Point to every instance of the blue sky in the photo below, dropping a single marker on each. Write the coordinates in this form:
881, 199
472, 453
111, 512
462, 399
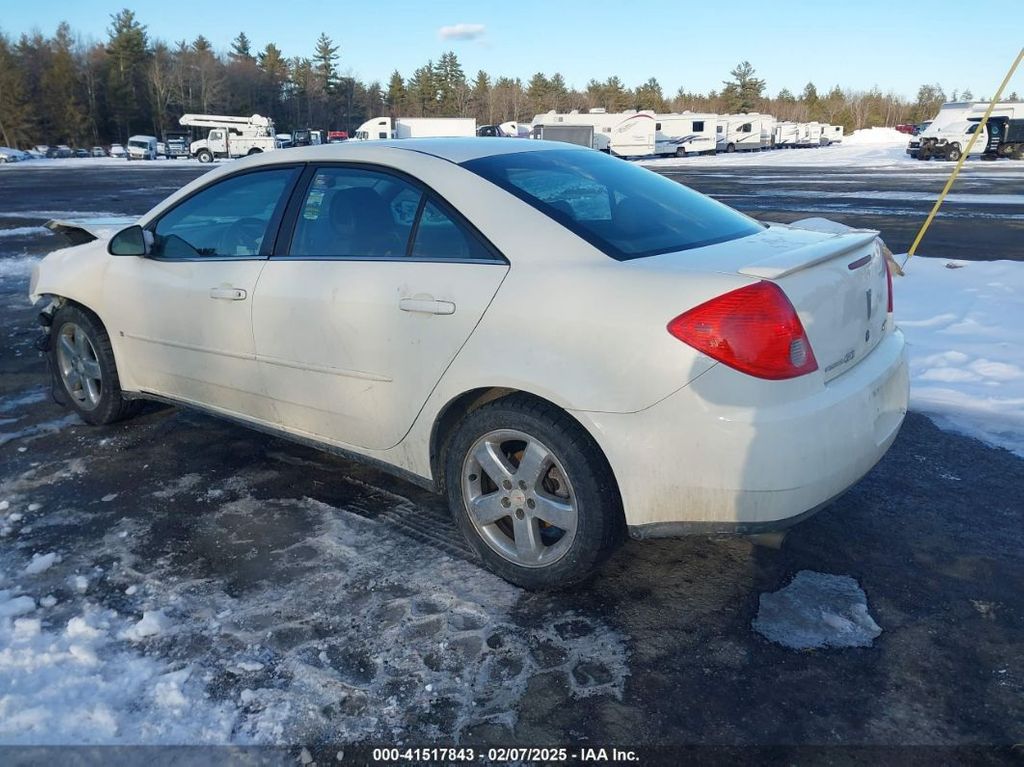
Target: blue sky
888, 43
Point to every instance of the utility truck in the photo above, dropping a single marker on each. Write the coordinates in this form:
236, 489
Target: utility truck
415, 127
624, 134
1005, 130
739, 132
231, 136
948, 127
685, 133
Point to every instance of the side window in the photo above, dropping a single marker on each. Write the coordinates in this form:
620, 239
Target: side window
229, 218
657, 126
746, 128
357, 213
438, 236
698, 126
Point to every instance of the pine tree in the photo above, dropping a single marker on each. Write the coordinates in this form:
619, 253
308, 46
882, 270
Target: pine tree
62, 111
483, 104
127, 50
649, 96
744, 92
241, 48
324, 58
14, 110
452, 90
396, 97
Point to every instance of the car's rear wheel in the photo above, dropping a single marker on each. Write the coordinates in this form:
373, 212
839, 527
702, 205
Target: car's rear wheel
953, 153
83, 366
532, 494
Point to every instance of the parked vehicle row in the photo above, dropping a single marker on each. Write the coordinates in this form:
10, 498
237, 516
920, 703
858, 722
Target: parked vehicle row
624, 134
948, 136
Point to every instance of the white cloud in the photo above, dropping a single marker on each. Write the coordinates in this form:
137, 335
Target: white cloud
462, 32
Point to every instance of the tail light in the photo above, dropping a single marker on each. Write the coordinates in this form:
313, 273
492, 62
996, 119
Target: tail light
888, 282
754, 329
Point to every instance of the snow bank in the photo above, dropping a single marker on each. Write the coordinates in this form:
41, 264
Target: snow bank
876, 136
963, 326
25, 231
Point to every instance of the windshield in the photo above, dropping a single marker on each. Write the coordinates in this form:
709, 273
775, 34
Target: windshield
139, 144
622, 209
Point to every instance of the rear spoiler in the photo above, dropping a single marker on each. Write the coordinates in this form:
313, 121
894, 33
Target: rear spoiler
82, 230
843, 241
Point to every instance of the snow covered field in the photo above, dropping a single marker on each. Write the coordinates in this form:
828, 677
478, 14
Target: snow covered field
873, 148
964, 322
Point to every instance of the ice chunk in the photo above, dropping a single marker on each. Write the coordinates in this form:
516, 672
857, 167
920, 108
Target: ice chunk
152, 623
817, 610
41, 563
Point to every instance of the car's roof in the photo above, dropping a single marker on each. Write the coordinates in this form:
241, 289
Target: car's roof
455, 150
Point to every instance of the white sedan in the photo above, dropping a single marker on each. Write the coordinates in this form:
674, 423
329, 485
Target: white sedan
569, 346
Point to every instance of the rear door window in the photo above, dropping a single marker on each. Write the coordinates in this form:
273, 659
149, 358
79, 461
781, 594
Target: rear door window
355, 213
624, 210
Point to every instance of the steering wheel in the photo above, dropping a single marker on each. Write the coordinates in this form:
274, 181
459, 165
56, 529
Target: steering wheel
242, 238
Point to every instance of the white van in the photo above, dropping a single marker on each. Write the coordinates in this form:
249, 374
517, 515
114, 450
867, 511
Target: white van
142, 148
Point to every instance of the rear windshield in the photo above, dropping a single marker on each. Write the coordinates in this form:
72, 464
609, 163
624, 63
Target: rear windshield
620, 208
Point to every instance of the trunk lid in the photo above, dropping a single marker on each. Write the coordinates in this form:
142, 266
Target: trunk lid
836, 281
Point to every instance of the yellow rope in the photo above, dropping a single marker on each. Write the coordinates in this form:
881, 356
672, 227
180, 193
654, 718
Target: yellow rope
963, 157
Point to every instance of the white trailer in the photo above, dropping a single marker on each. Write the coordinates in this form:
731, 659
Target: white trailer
231, 135
415, 127
624, 134
812, 134
767, 132
833, 134
739, 132
685, 133
787, 134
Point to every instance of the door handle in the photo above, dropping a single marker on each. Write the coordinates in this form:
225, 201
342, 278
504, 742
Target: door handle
228, 294
426, 306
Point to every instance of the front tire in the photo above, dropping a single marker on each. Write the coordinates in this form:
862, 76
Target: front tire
532, 494
83, 366
954, 153
204, 155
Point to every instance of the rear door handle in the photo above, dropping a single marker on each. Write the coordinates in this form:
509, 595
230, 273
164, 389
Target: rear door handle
228, 294
426, 306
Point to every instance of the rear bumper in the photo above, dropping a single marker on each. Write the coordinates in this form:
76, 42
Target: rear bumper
705, 461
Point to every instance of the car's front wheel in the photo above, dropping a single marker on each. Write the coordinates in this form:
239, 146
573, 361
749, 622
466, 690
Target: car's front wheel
83, 366
532, 494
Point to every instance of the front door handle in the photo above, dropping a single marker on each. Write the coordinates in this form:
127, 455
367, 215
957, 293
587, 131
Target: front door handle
228, 294
426, 306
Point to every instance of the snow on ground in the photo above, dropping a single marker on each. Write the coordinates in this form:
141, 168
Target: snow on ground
95, 162
965, 328
142, 651
876, 148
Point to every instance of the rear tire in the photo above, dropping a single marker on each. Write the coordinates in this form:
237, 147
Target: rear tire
255, 150
83, 366
954, 153
517, 461
730, 148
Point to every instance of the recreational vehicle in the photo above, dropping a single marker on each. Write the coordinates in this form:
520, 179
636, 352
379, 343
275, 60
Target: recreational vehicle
581, 135
685, 133
787, 134
625, 134
739, 132
833, 135
767, 132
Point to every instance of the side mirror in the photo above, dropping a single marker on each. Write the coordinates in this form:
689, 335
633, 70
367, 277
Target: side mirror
128, 242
